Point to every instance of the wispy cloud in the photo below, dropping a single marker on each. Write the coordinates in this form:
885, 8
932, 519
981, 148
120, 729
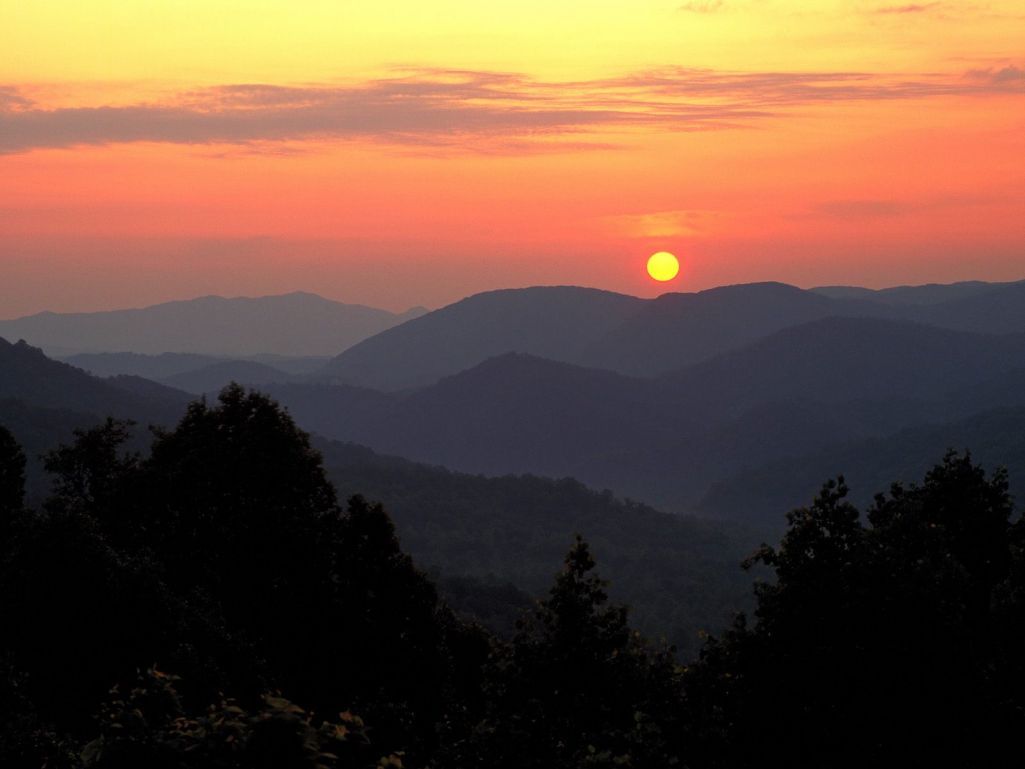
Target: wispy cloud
664, 224
909, 8
11, 99
469, 110
1009, 77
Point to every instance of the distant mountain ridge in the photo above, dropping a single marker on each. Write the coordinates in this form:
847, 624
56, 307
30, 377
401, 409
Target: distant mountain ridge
929, 293
665, 439
556, 322
639, 337
995, 437
771, 373
294, 324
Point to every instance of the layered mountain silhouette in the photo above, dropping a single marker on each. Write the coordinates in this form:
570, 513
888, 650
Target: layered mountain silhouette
928, 294
290, 324
995, 437
679, 573
154, 367
557, 322
26, 374
676, 330
637, 337
214, 376
170, 364
662, 400
734, 403
665, 439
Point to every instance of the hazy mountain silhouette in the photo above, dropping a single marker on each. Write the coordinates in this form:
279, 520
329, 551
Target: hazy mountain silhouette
557, 322
214, 376
676, 330
807, 387
516, 413
169, 364
843, 359
138, 364
647, 337
995, 437
333, 410
290, 324
666, 439
1000, 310
928, 294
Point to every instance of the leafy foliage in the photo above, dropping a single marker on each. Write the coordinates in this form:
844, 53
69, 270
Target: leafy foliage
150, 727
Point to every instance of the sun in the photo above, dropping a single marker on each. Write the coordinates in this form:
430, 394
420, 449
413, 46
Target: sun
663, 266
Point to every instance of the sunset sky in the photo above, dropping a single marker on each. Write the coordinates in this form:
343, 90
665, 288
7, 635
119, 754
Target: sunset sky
401, 153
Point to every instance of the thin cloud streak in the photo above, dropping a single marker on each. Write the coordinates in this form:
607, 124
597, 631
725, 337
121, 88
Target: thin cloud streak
910, 8
469, 110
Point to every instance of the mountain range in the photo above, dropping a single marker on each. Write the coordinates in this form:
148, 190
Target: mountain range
599, 329
298, 324
732, 404
483, 535
665, 439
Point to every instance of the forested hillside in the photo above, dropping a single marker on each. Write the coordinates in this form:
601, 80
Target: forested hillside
492, 539
238, 615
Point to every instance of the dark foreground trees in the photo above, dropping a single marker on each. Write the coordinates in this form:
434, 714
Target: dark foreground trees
224, 558
890, 638
893, 639
576, 687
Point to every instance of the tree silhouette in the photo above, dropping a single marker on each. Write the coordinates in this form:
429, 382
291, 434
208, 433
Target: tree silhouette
880, 642
576, 687
224, 555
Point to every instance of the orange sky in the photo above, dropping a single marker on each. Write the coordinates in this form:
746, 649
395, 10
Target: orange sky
411, 153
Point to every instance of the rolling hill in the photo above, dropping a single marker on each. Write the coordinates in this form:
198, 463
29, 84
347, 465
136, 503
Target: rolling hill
996, 438
214, 376
666, 439
557, 322
677, 330
290, 324
596, 329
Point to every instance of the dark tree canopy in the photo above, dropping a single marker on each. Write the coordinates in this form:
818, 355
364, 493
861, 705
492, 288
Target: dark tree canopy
224, 556
893, 639
12, 478
576, 687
